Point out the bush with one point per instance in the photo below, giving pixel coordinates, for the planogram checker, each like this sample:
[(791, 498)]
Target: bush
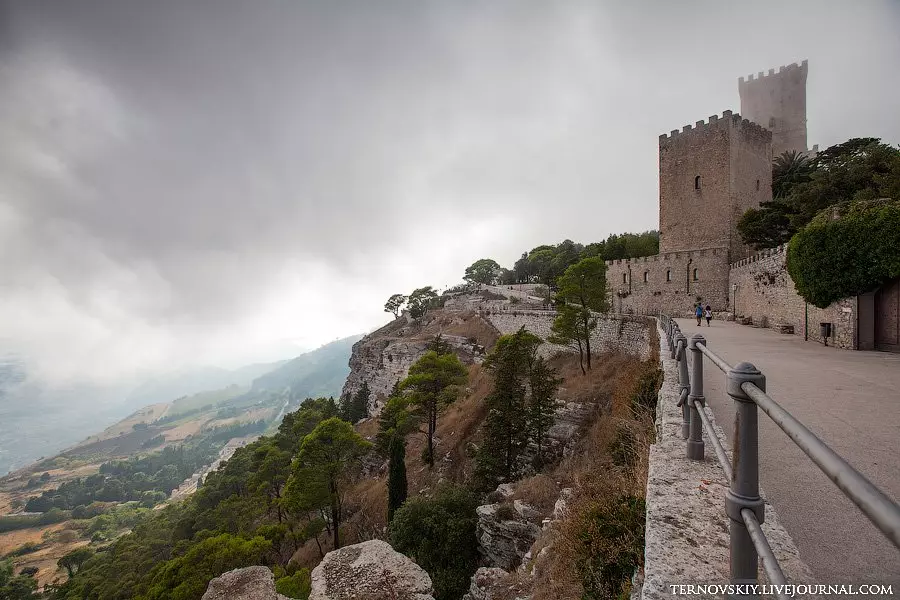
[(26, 548), (297, 585), (611, 547), (506, 512), (834, 258), (439, 534), (646, 393)]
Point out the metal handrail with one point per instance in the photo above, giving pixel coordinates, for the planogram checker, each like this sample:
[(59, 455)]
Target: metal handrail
[(745, 384)]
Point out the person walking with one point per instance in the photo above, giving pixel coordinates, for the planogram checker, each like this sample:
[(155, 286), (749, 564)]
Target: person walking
[(708, 315), (699, 314)]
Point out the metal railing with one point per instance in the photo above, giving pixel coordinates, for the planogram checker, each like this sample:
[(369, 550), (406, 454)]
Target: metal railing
[(746, 385)]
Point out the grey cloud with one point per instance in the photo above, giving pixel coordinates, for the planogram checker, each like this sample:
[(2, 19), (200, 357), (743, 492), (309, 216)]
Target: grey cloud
[(165, 163)]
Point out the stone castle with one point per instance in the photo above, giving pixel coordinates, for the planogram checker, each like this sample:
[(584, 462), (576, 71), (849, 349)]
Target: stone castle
[(709, 175)]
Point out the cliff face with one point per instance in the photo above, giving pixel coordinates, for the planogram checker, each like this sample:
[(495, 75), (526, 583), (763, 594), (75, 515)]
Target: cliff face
[(384, 357)]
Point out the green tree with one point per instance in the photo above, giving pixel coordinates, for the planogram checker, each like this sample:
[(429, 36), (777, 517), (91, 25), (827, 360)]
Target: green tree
[(506, 425), (420, 300), (74, 560), (359, 407), (767, 226), (325, 465), (394, 424), (432, 382), (395, 304), (15, 587), (484, 271), (298, 585), (541, 405), (572, 327), (846, 252), (186, 577), (439, 534), (584, 284), (789, 170), (397, 483)]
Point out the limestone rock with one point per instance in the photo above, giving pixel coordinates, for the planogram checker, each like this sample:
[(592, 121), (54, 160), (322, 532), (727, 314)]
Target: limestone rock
[(371, 570), (503, 542), (484, 582), (250, 583)]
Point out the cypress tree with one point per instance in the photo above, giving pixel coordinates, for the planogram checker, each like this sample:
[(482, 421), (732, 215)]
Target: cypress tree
[(397, 485)]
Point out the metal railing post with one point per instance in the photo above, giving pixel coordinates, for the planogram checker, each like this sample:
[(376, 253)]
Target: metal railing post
[(744, 492), (672, 334), (684, 382), (696, 400)]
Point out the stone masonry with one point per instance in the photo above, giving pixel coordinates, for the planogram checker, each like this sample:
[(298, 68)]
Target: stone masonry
[(778, 101), (763, 291)]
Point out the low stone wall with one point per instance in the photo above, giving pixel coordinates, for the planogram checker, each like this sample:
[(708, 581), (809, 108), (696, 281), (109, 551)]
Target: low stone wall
[(687, 538), (765, 293), (626, 333)]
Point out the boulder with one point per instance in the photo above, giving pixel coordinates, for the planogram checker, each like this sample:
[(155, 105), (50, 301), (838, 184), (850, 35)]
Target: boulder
[(485, 582), (371, 570), (250, 583), (503, 542)]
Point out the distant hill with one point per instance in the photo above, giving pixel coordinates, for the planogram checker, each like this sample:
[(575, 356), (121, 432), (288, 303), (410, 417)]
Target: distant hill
[(318, 373), (194, 381)]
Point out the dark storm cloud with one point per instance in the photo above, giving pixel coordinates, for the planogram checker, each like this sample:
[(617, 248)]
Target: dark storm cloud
[(165, 164)]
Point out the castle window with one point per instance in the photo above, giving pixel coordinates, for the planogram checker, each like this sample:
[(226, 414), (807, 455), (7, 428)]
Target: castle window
[(646, 276), (624, 277), (771, 122), (757, 185), (697, 182), (668, 275), (695, 275)]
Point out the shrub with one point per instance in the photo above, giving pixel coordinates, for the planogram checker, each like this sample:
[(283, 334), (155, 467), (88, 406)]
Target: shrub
[(439, 534), (841, 255), (297, 585), (646, 393), (26, 548), (506, 512), (611, 547)]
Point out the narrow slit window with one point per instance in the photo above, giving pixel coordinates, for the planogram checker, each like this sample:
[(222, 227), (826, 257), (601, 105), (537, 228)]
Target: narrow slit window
[(695, 275), (757, 185), (624, 277), (668, 275), (697, 182), (646, 276)]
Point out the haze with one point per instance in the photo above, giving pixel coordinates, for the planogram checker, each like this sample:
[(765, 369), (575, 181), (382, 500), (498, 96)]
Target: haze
[(229, 182)]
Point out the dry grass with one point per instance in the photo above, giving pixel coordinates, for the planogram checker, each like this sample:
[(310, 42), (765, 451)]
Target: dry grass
[(539, 491)]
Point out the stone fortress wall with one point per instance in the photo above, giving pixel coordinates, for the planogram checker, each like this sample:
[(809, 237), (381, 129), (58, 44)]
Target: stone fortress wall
[(762, 289)]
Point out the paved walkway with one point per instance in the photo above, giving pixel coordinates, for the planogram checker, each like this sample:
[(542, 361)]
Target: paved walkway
[(849, 399)]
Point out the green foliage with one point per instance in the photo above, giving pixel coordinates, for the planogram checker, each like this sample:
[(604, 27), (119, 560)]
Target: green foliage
[(834, 258), (395, 304), (322, 471), (298, 585), (858, 169), (73, 561), (611, 547), (13, 523), (646, 394), (484, 271), (584, 285), (359, 405), (397, 484), (518, 406), (420, 300), (439, 534), (572, 327), (186, 577), (15, 587), (431, 384), (26, 548), (541, 405)]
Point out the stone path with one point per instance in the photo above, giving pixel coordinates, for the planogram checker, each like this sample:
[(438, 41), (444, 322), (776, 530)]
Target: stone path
[(849, 399)]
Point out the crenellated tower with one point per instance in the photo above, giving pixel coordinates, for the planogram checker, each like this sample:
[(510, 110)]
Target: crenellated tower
[(709, 175), (777, 101)]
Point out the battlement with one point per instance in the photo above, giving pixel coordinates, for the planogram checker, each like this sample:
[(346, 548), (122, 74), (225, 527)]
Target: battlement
[(714, 251), (803, 67), (727, 120), (759, 256)]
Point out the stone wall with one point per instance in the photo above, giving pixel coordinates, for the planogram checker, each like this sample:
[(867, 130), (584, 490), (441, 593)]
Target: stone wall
[(765, 292), (686, 535), (625, 333), (666, 282)]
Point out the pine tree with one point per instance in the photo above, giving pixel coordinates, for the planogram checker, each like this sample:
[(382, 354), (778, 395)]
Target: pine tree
[(359, 407), (397, 484), (506, 427), (541, 405)]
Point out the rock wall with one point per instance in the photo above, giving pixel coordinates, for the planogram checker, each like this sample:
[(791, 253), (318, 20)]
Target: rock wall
[(686, 529), (765, 293), (250, 583), (625, 333)]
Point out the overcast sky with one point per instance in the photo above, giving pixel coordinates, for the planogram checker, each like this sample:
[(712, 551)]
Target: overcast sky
[(223, 182)]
